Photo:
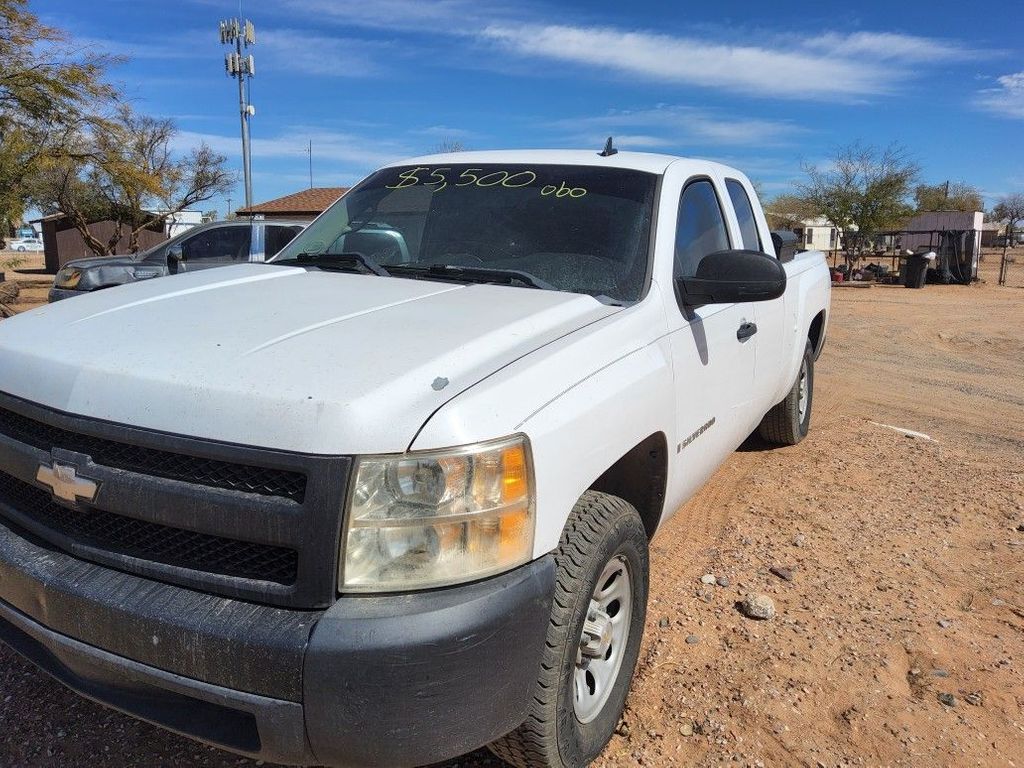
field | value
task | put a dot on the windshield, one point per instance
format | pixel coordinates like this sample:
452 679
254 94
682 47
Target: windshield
571 228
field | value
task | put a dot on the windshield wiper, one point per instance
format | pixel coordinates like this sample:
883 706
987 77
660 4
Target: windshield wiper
339 260
472 274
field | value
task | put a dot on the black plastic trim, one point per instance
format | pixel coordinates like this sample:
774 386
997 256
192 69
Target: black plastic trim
253 725
240 645
406 680
200 719
312 528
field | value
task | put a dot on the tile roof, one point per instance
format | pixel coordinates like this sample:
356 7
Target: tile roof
309 201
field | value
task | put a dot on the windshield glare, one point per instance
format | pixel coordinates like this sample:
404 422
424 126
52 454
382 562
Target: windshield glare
579 228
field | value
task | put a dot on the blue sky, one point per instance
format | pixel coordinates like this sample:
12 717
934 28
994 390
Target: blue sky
762 86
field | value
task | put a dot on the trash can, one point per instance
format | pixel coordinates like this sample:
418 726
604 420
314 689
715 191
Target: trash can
915 270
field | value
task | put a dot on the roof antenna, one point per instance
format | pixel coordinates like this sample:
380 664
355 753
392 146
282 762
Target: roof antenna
608 150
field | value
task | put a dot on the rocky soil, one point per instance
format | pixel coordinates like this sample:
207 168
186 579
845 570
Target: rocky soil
893 564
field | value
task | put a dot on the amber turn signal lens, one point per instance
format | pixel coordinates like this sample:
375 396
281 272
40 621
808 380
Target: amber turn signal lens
514 476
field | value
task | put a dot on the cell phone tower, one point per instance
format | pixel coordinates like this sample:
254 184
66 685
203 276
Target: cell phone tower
241 34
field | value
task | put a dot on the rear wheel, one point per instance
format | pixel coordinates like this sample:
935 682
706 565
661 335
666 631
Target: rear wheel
597 620
788 422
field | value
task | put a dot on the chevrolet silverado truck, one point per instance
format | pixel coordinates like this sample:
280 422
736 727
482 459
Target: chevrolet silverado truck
217 244
382 501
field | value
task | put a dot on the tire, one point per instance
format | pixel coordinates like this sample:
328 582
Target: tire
784 424
603 532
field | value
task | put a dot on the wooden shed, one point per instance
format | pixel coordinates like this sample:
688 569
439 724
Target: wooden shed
63 243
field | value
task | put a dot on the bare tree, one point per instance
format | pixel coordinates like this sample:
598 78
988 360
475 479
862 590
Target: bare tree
450 145
1010 209
125 171
864 187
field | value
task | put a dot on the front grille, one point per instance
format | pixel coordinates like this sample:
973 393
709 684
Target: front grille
152 461
150 541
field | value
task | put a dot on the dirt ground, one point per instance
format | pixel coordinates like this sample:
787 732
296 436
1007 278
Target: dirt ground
899 638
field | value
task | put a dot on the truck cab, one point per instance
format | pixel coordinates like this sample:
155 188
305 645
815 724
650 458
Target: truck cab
387 497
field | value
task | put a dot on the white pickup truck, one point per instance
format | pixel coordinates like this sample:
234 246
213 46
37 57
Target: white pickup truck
388 497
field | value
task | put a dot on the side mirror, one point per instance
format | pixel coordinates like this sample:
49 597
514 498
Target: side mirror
727 277
176 253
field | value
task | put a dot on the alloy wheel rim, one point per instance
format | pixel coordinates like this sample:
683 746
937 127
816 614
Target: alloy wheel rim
802 399
603 641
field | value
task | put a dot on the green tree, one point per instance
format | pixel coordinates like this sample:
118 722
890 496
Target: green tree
863 187
949 196
50 92
123 170
788 211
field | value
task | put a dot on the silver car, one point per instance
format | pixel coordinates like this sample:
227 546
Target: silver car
217 244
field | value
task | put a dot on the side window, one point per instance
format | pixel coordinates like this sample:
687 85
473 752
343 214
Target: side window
744 214
278 237
700 229
224 244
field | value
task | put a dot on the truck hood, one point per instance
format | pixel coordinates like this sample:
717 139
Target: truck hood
279 357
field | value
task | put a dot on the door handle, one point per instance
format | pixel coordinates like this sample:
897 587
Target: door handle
745 331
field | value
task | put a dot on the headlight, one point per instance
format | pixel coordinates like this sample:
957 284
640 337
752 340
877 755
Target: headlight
68 277
440 517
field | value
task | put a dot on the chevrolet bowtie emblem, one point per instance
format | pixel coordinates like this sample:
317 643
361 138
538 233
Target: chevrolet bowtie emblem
66 484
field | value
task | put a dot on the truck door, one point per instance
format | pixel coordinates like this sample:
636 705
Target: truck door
216 246
769 315
712 347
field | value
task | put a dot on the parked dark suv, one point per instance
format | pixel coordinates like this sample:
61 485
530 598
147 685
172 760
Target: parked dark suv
217 244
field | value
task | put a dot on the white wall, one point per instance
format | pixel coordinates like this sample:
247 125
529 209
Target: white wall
182 222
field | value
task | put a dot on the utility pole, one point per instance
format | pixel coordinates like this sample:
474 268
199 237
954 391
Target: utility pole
309 151
228 216
241 33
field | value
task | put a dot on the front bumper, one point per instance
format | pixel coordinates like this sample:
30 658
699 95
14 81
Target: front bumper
371 681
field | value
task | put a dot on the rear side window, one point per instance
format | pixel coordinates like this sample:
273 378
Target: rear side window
226 244
744 214
278 237
700 228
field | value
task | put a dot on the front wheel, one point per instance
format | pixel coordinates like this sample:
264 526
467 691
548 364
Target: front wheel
788 422
593 640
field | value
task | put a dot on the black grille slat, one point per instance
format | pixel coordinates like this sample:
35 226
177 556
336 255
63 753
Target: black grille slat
153 461
151 541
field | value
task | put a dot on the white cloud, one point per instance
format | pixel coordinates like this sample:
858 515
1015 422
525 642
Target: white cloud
291 50
332 147
1006 100
888 46
445 132
447 16
830 67
680 126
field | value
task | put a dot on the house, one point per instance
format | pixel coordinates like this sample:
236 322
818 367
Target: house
182 221
63 243
299 206
991 232
819 234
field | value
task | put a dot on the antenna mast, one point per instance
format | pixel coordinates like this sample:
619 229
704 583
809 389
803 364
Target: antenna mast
241 34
